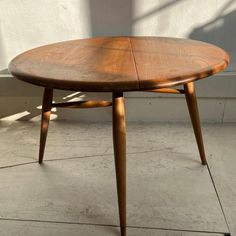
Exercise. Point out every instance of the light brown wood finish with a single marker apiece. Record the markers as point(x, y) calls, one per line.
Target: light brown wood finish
point(194, 115)
point(166, 90)
point(97, 64)
point(83, 104)
point(46, 112)
point(165, 62)
point(117, 64)
point(119, 140)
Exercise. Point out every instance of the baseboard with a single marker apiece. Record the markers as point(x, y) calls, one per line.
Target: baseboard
point(212, 110)
point(216, 98)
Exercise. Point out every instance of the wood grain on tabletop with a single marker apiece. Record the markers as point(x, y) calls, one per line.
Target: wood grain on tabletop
point(111, 64)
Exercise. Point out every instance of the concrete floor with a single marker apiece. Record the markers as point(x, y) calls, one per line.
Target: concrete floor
point(74, 193)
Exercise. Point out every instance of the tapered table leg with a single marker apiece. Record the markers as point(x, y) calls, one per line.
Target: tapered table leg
point(46, 112)
point(194, 115)
point(119, 141)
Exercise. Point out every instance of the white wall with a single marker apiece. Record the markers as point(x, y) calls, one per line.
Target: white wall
point(25, 24)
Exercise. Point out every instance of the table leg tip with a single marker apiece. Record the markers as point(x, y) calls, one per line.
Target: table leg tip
point(123, 231)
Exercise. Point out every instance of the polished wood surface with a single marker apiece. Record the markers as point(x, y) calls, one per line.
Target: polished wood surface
point(98, 64)
point(166, 90)
point(119, 64)
point(194, 115)
point(166, 62)
point(119, 140)
point(116, 64)
point(83, 104)
point(45, 118)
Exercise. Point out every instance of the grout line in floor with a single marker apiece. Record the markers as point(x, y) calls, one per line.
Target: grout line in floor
point(73, 158)
point(16, 165)
point(218, 197)
point(115, 226)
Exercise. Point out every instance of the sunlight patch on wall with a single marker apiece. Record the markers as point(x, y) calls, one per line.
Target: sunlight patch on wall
point(28, 24)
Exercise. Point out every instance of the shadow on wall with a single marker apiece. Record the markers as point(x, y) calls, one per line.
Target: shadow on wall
point(220, 31)
point(2, 52)
point(107, 17)
point(111, 17)
point(153, 12)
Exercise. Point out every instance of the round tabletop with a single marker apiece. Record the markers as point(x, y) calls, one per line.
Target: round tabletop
point(112, 64)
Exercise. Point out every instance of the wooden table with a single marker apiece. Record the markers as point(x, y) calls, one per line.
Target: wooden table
point(117, 65)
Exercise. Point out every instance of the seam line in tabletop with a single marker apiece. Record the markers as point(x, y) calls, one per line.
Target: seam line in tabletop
point(134, 62)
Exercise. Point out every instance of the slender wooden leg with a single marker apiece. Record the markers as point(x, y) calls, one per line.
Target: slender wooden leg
point(194, 115)
point(119, 141)
point(46, 112)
